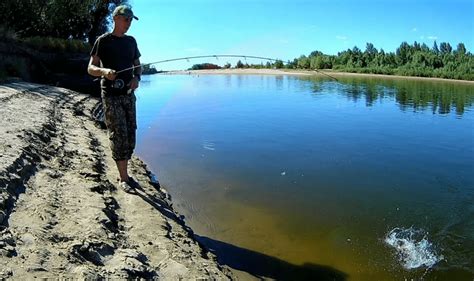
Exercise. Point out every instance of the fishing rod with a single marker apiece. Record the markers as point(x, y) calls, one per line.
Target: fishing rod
point(211, 56)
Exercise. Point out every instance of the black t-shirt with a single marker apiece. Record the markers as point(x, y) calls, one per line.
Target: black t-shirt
point(116, 53)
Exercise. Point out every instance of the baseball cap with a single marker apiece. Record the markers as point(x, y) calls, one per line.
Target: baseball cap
point(124, 10)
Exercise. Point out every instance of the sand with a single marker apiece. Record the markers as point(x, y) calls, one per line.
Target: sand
point(322, 73)
point(62, 214)
point(246, 71)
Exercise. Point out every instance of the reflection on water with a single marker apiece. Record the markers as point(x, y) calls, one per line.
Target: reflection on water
point(312, 171)
point(439, 97)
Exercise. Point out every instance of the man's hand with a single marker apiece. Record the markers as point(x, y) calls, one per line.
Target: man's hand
point(133, 83)
point(109, 74)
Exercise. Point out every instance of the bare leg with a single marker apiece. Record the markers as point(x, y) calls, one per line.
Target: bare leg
point(122, 168)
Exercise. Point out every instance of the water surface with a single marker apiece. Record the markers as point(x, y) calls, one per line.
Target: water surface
point(361, 179)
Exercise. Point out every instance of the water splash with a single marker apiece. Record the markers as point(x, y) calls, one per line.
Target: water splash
point(413, 248)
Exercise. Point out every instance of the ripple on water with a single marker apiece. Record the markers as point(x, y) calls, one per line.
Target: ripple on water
point(413, 248)
point(208, 145)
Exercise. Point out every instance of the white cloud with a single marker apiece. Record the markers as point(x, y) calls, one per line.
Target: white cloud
point(340, 37)
point(422, 37)
point(413, 29)
point(283, 41)
point(431, 37)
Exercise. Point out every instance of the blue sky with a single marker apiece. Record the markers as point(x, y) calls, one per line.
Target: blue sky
point(286, 29)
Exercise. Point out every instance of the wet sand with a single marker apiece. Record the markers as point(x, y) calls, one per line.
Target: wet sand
point(62, 214)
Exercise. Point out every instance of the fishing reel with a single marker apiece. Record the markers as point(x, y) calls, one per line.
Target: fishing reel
point(118, 84)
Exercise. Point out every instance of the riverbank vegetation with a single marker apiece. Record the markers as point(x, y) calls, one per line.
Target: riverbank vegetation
point(415, 59)
point(83, 20)
point(408, 60)
point(49, 41)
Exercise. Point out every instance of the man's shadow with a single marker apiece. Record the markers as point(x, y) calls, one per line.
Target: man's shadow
point(254, 263)
point(262, 265)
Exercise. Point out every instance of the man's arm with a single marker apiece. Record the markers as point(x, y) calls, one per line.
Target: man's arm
point(137, 72)
point(94, 69)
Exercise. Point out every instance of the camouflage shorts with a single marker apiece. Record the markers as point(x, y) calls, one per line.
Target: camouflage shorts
point(121, 121)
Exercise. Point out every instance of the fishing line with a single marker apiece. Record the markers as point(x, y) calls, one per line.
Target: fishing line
point(211, 56)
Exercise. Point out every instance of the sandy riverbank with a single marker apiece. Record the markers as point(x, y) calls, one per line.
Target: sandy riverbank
point(253, 71)
point(61, 213)
point(246, 71)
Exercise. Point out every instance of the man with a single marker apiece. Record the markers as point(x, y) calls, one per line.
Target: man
point(113, 52)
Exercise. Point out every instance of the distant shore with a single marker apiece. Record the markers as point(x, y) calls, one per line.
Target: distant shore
point(265, 71)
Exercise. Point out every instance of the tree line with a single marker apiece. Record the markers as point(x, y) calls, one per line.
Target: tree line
point(408, 60)
point(417, 59)
point(64, 19)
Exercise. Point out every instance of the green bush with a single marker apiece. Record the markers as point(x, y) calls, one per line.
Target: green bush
point(50, 44)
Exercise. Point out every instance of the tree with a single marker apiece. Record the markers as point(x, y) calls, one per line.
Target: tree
point(303, 62)
point(239, 64)
point(356, 59)
point(149, 69)
point(292, 64)
point(435, 48)
point(65, 19)
point(99, 16)
point(344, 57)
point(370, 49)
point(315, 53)
point(317, 62)
point(416, 46)
point(204, 66)
point(445, 48)
point(419, 59)
point(461, 49)
point(279, 64)
point(403, 53)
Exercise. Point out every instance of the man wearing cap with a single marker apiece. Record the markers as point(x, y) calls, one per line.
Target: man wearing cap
point(111, 53)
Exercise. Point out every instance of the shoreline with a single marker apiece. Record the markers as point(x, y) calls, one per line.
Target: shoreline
point(62, 214)
point(61, 211)
point(296, 72)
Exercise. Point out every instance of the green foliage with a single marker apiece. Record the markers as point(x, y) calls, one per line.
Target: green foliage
point(279, 64)
point(66, 19)
point(50, 44)
point(461, 49)
point(408, 60)
point(304, 62)
point(204, 66)
point(149, 69)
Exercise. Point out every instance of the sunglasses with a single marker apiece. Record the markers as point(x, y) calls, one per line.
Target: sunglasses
point(127, 19)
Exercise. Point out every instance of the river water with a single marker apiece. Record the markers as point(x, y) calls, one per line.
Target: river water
point(307, 178)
